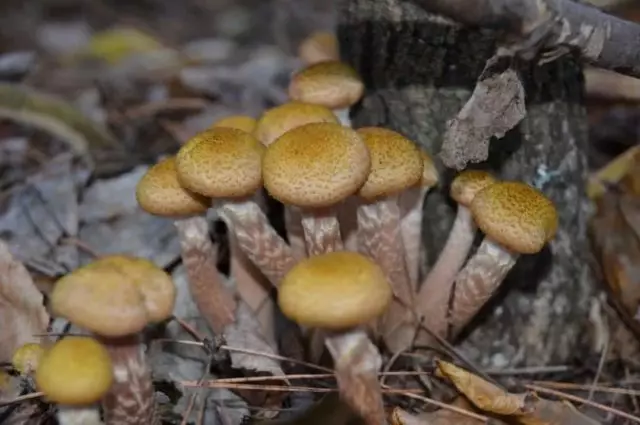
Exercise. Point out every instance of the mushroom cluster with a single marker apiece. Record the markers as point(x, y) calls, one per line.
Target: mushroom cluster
point(349, 261)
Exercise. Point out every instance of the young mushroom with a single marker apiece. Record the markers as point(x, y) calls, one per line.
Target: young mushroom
point(226, 164)
point(314, 167)
point(115, 298)
point(159, 193)
point(435, 292)
point(333, 84)
point(396, 165)
point(341, 292)
point(26, 358)
point(240, 122)
point(516, 219)
point(76, 373)
point(319, 46)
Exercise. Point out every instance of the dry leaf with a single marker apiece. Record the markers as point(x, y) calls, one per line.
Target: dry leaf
point(613, 171)
point(22, 312)
point(439, 417)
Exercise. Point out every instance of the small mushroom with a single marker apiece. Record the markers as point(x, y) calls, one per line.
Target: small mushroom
point(516, 219)
point(411, 208)
point(396, 165)
point(315, 167)
point(115, 297)
point(76, 373)
point(319, 46)
point(435, 292)
point(332, 83)
point(159, 193)
point(240, 122)
point(342, 292)
point(26, 358)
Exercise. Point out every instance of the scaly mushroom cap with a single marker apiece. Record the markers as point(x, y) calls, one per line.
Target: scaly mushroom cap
point(396, 163)
point(337, 290)
point(114, 296)
point(240, 122)
point(221, 163)
point(75, 371)
point(280, 119)
point(468, 183)
point(159, 193)
point(318, 47)
point(333, 84)
point(515, 215)
point(316, 165)
point(27, 357)
point(430, 176)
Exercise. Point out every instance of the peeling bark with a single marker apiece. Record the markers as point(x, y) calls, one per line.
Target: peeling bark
point(419, 70)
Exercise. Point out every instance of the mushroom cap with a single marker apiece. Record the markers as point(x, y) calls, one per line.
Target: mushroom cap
point(468, 183)
point(430, 176)
point(221, 162)
point(159, 193)
point(319, 46)
point(240, 122)
point(27, 357)
point(396, 163)
point(114, 296)
point(278, 120)
point(336, 290)
point(316, 165)
point(76, 370)
point(332, 83)
point(515, 215)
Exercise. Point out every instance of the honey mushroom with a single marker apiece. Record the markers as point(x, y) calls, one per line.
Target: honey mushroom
point(318, 46)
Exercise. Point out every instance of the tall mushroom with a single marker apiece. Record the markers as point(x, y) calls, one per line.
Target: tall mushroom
point(435, 292)
point(331, 83)
point(396, 165)
point(411, 208)
point(159, 193)
point(76, 373)
point(341, 292)
point(516, 219)
point(315, 167)
point(115, 297)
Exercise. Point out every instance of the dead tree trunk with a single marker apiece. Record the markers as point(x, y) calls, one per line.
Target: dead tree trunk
point(419, 70)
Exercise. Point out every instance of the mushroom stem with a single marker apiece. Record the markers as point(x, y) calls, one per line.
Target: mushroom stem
point(411, 225)
point(214, 301)
point(321, 231)
point(380, 238)
point(347, 216)
point(79, 415)
point(357, 363)
point(435, 292)
point(343, 116)
point(131, 398)
point(478, 281)
point(255, 236)
point(295, 232)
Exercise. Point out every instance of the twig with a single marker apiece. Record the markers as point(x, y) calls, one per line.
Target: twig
point(582, 387)
point(584, 401)
point(438, 404)
point(21, 398)
point(603, 40)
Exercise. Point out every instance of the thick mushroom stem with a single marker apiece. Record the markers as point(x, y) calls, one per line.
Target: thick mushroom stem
point(411, 227)
point(434, 294)
point(295, 232)
point(478, 281)
point(214, 301)
point(130, 400)
point(379, 237)
point(348, 218)
point(79, 415)
point(255, 236)
point(321, 231)
point(357, 363)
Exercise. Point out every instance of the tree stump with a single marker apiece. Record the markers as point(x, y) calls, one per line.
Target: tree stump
point(419, 69)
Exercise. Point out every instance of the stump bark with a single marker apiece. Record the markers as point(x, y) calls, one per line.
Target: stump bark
point(419, 69)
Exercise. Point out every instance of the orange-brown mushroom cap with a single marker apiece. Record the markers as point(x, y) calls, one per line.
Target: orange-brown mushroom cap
point(75, 371)
point(316, 165)
point(396, 162)
point(278, 120)
point(318, 47)
point(430, 176)
point(158, 192)
point(515, 215)
point(468, 183)
point(114, 296)
point(333, 84)
point(27, 357)
point(337, 290)
point(221, 162)
point(240, 122)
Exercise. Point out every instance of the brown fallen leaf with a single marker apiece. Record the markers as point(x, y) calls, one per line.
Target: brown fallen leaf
point(22, 311)
point(439, 417)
